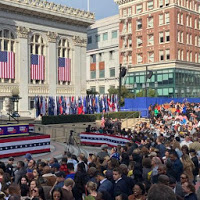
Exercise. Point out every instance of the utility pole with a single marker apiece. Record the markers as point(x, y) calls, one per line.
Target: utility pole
point(120, 85)
point(146, 82)
point(88, 5)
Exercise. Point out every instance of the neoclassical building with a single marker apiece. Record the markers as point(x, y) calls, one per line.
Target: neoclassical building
point(37, 40)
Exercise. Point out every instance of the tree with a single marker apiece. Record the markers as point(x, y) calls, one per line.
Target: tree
point(88, 92)
point(150, 93)
point(125, 93)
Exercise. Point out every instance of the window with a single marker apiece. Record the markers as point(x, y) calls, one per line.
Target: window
point(130, 59)
point(139, 24)
point(90, 40)
point(196, 57)
point(151, 56)
point(100, 57)
point(129, 11)
point(93, 88)
point(124, 13)
point(93, 58)
point(181, 18)
point(161, 22)
point(130, 42)
point(199, 58)
point(150, 5)
point(167, 54)
point(166, 2)
point(105, 36)
point(102, 73)
point(150, 39)
point(31, 103)
point(97, 38)
point(167, 36)
point(112, 72)
point(161, 55)
point(7, 40)
point(139, 58)
point(188, 55)
point(191, 56)
point(150, 22)
point(138, 8)
point(101, 89)
point(187, 20)
point(139, 41)
point(114, 34)
point(196, 40)
point(129, 27)
point(188, 38)
point(124, 28)
point(93, 74)
point(195, 23)
point(160, 3)
point(64, 48)
point(179, 54)
point(181, 39)
point(161, 38)
point(178, 36)
point(178, 18)
point(167, 18)
point(190, 21)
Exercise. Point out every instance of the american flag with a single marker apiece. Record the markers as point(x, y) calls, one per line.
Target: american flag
point(64, 69)
point(37, 67)
point(7, 64)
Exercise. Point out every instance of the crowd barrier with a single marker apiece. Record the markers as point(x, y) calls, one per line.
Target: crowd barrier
point(97, 139)
point(141, 104)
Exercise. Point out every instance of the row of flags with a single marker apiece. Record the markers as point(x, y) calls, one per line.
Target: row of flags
point(62, 105)
point(7, 67)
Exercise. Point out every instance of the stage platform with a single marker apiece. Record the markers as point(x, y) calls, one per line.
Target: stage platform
point(16, 140)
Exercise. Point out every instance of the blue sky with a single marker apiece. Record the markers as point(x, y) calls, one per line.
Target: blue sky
point(101, 8)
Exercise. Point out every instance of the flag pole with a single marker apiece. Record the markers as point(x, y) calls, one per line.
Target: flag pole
point(88, 5)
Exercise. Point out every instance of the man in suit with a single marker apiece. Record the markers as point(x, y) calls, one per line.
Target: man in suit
point(120, 185)
point(104, 183)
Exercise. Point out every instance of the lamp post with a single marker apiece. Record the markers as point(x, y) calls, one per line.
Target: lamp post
point(15, 100)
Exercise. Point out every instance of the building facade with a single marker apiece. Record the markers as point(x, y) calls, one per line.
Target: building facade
point(162, 36)
point(41, 37)
point(103, 55)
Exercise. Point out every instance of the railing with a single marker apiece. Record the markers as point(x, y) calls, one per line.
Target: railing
point(130, 116)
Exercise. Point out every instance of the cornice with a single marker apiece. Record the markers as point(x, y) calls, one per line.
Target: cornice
point(49, 10)
point(120, 2)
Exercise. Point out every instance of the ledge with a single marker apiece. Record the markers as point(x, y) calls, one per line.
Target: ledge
point(44, 9)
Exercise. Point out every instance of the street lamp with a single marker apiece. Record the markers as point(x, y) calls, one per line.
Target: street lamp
point(15, 100)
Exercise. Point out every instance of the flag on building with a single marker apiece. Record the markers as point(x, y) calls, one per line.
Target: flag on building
point(64, 69)
point(37, 67)
point(7, 64)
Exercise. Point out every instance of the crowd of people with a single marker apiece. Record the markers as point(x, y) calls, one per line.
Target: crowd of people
point(161, 161)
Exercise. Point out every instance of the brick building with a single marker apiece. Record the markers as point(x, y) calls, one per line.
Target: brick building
point(162, 36)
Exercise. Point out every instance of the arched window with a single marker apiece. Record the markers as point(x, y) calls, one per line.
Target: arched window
point(7, 56)
point(7, 40)
point(37, 47)
point(64, 62)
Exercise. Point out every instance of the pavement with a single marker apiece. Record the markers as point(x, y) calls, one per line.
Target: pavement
point(57, 150)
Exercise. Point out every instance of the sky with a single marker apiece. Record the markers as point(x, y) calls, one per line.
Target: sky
point(101, 8)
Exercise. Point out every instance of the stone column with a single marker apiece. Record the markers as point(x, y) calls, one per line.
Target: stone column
point(51, 63)
point(79, 66)
point(23, 69)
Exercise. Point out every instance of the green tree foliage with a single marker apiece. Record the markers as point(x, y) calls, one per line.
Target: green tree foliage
point(150, 93)
point(125, 93)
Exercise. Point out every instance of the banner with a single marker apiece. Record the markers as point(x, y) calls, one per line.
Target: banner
point(99, 139)
point(14, 130)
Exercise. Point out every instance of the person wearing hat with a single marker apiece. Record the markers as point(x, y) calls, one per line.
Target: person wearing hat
point(27, 158)
point(10, 167)
point(104, 151)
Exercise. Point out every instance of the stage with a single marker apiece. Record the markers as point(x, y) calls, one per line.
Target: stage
point(16, 140)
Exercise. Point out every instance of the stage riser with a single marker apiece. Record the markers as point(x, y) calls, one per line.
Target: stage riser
point(21, 145)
